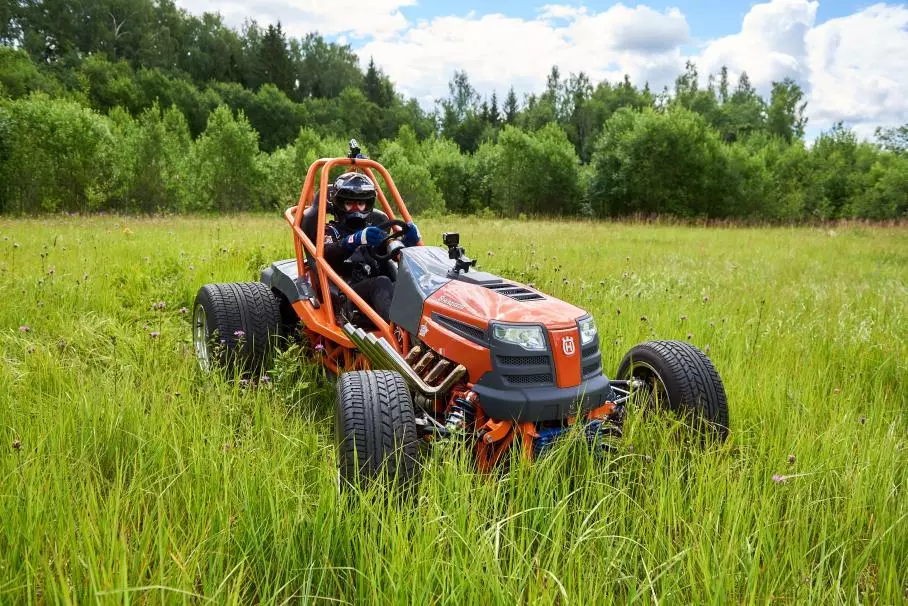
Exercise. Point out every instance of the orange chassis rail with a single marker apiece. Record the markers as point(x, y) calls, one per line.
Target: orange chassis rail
point(322, 320)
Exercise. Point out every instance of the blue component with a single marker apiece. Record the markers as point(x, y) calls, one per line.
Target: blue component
point(547, 437)
point(596, 431)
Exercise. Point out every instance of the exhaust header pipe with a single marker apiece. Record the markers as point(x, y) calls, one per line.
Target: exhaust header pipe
point(383, 356)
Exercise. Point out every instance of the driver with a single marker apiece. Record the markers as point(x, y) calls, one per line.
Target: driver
point(354, 231)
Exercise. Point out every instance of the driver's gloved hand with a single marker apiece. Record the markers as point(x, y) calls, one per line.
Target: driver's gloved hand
point(371, 237)
point(411, 238)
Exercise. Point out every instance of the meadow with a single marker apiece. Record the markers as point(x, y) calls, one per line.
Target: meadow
point(128, 476)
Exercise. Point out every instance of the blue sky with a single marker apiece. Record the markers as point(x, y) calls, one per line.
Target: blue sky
point(710, 19)
point(850, 58)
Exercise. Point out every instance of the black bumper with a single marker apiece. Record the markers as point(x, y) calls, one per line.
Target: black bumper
point(541, 403)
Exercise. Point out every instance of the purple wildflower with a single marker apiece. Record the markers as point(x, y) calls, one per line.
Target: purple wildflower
point(319, 348)
point(779, 479)
point(239, 333)
point(24, 328)
point(791, 459)
point(183, 310)
point(154, 334)
point(17, 444)
point(266, 379)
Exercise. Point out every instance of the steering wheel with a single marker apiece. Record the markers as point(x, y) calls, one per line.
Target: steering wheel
point(394, 235)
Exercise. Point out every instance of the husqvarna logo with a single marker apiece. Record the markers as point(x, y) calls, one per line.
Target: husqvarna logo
point(567, 346)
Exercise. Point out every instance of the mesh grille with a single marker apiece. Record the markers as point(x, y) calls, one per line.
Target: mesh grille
point(529, 379)
point(590, 350)
point(591, 368)
point(524, 360)
point(457, 326)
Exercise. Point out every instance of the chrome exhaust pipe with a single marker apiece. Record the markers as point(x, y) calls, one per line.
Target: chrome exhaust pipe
point(383, 356)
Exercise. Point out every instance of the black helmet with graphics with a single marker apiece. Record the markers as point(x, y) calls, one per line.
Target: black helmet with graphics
point(352, 188)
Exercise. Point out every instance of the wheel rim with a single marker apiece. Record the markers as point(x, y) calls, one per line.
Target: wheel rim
point(654, 387)
point(200, 337)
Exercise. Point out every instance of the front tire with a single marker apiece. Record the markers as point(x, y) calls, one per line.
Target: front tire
point(236, 325)
point(680, 377)
point(375, 427)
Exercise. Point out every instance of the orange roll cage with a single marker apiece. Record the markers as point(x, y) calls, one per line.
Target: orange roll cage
point(322, 320)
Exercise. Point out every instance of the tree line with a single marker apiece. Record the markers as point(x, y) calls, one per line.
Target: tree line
point(138, 106)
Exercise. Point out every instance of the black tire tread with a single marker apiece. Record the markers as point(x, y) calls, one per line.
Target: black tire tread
point(376, 426)
point(692, 382)
point(250, 307)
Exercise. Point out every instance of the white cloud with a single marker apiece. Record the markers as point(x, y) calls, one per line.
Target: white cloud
point(853, 68)
point(378, 18)
point(561, 11)
point(498, 51)
point(771, 44)
point(859, 68)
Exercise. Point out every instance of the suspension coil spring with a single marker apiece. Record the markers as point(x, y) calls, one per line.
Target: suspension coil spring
point(463, 411)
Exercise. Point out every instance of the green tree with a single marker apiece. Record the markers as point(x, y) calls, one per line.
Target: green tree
point(511, 107)
point(785, 116)
point(534, 173)
point(652, 162)
point(326, 69)
point(226, 175)
point(744, 112)
point(53, 155)
point(149, 162)
point(274, 60)
point(377, 86)
point(894, 140)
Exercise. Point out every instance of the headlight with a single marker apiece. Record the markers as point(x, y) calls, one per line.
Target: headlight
point(528, 337)
point(587, 330)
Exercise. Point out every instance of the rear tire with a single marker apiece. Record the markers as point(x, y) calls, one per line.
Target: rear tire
point(236, 325)
point(682, 378)
point(375, 427)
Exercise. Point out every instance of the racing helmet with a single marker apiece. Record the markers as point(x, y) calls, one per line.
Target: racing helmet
point(353, 187)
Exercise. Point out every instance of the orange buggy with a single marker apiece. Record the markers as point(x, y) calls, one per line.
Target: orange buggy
point(467, 354)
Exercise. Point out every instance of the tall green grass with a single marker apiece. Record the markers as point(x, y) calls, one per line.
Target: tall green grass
point(127, 476)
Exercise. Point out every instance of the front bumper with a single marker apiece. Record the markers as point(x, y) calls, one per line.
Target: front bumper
point(540, 403)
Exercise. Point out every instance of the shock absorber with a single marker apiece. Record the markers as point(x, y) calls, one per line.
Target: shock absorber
point(462, 413)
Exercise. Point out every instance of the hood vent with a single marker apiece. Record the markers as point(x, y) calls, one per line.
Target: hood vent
point(518, 293)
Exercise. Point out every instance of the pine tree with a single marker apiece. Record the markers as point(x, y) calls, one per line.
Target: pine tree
point(376, 86)
point(494, 114)
point(510, 107)
point(277, 68)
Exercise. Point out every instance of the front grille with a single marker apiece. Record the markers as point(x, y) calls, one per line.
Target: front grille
point(529, 379)
point(518, 293)
point(590, 350)
point(477, 334)
point(591, 368)
point(523, 360)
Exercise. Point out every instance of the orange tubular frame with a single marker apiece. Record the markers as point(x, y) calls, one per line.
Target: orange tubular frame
point(323, 320)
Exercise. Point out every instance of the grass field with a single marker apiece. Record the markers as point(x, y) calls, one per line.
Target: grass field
point(126, 476)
